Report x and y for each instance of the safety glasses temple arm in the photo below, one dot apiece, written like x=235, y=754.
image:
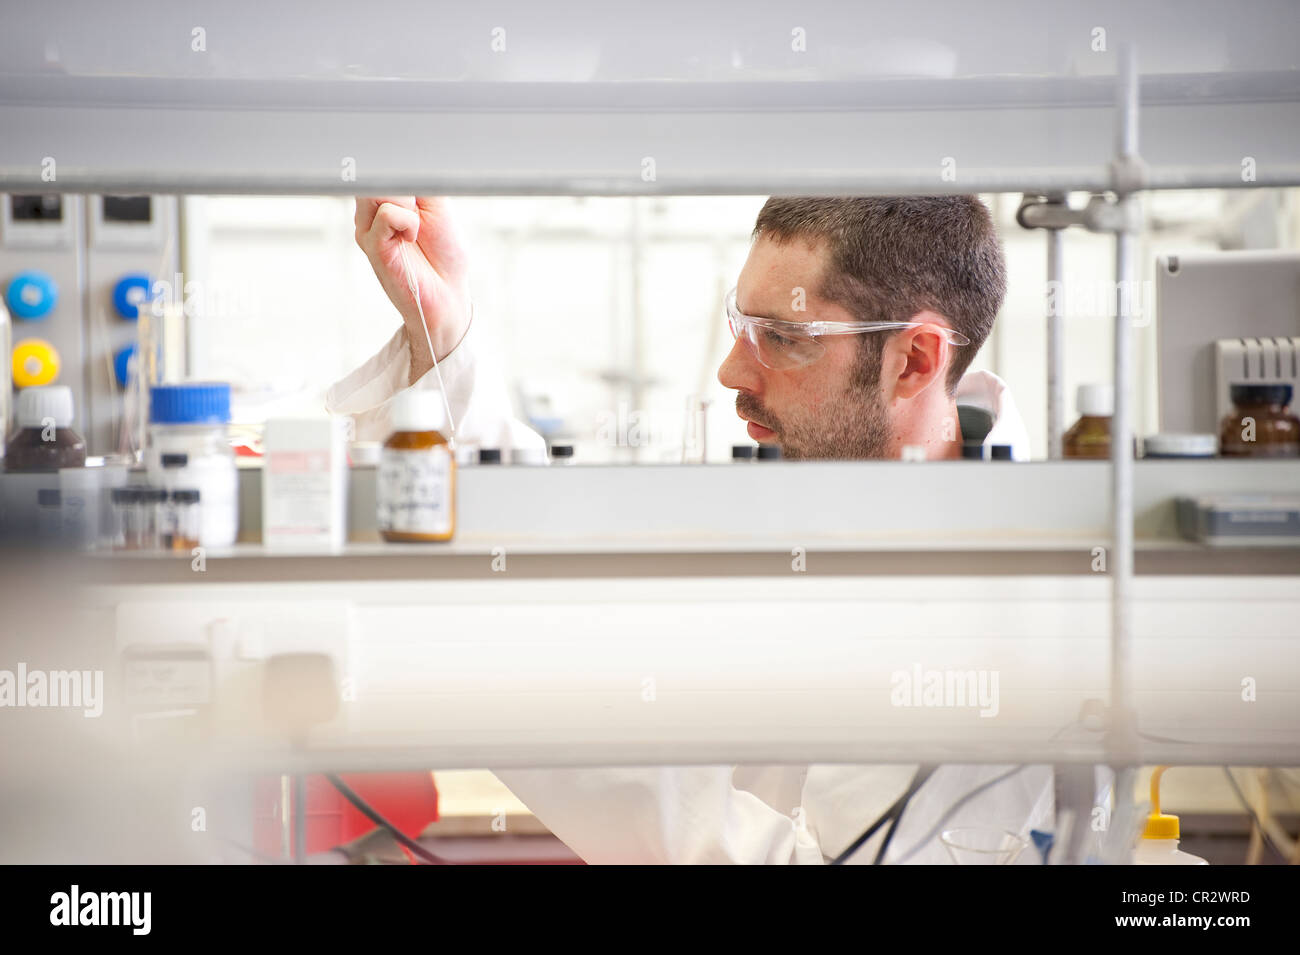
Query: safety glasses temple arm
x=851, y=328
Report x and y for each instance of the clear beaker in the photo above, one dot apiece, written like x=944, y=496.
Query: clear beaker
x=975, y=846
x=695, y=430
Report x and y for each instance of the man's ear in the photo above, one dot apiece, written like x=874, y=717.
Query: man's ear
x=917, y=358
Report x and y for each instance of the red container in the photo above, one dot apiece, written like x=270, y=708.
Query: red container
x=408, y=800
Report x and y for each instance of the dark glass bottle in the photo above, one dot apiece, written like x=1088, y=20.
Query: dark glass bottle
x=1261, y=424
x=44, y=439
x=1089, y=437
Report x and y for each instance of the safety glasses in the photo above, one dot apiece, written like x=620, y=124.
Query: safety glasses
x=782, y=345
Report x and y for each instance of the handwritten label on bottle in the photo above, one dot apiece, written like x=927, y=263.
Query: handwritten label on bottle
x=414, y=492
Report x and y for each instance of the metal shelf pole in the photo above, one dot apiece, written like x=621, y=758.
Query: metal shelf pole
x=1121, y=734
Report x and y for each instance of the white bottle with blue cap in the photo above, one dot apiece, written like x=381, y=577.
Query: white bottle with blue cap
x=189, y=428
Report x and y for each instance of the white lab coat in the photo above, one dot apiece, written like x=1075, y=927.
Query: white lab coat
x=716, y=814
x=476, y=393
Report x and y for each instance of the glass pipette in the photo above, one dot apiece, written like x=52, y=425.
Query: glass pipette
x=415, y=292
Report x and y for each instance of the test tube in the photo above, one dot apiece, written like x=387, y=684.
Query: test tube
x=150, y=506
x=183, y=518
x=122, y=530
x=109, y=530
x=166, y=522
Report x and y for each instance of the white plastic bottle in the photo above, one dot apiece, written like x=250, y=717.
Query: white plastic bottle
x=1159, y=842
x=189, y=423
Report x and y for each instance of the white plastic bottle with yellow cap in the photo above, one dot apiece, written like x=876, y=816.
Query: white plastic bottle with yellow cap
x=1159, y=842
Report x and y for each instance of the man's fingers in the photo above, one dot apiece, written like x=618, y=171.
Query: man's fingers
x=368, y=207
x=392, y=220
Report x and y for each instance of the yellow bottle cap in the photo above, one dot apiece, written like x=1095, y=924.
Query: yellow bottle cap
x=1159, y=825
x=35, y=363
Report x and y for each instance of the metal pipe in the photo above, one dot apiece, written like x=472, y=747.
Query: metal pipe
x=1121, y=458
x=299, y=818
x=1125, y=824
x=636, y=240
x=1055, y=350
x=1121, y=731
x=6, y=376
x=1074, y=795
x=286, y=816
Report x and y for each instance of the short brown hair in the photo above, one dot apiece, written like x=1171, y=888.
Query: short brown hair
x=891, y=257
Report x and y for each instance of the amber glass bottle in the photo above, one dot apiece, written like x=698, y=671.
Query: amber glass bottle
x=1260, y=424
x=1089, y=437
x=416, y=491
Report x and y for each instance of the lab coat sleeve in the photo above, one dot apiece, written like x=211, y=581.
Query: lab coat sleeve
x=661, y=815
x=476, y=392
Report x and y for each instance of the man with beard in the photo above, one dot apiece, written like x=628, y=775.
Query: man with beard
x=898, y=295
x=855, y=323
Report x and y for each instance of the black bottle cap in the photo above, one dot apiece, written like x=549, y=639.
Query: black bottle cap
x=152, y=495
x=124, y=495
x=561, y=450
x=185, y=495
x=972, y=451
x=48, y=497
x=1000, y=452
x=769, y=452
x=176, y=460
x=1260, y=394
x=742, y=452
x=489, y=455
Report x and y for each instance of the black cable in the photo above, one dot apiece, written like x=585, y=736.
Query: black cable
x=889, y=837
x=891, y=815
x=366, y=810
x=951, y=811
x=857, y=843
x=922, y=774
